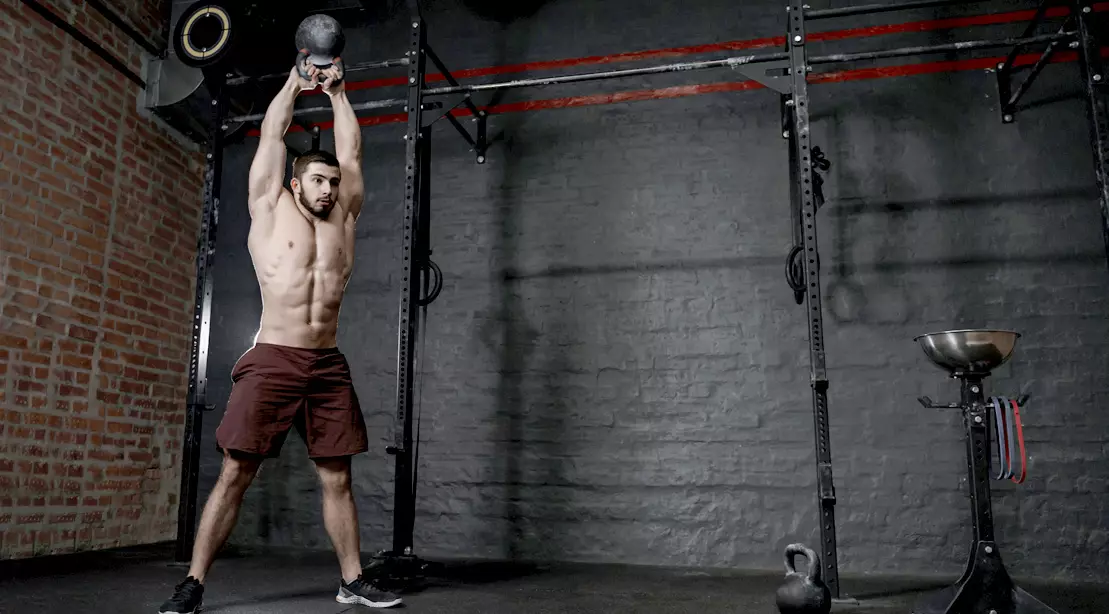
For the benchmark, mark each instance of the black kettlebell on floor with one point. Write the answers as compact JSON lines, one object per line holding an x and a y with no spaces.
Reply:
{"x":803,"y":592}
{"x":319,"y":39}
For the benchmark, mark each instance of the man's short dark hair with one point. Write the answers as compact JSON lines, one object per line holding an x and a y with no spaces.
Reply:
{"x":302,"y":162}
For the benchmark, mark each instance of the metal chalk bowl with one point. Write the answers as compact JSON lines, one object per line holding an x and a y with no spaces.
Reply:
{"x":969,"y":351}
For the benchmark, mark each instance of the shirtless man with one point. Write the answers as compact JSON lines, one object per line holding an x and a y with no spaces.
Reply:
{"x":302,"y":244}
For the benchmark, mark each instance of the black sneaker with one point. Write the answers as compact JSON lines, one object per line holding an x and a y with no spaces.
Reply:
{"x":186,"y":598}
{"x":363,"y":592}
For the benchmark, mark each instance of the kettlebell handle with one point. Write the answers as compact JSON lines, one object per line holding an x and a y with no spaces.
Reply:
{"x":302,"y":61}
{"x":812,"y":569}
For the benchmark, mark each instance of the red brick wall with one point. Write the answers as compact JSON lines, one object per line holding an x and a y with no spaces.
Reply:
{"x":100,"y":212}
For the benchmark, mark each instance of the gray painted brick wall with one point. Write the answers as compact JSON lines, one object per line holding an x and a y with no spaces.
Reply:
{"x":616,"y":371}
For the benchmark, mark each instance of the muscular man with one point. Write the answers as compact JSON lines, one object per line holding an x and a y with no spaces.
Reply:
{"x":302,"y":244}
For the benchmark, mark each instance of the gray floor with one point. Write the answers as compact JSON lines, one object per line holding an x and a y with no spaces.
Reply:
{"x":136,"y":581}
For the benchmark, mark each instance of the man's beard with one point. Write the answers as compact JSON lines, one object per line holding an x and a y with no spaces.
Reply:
{"x":324,"y":206}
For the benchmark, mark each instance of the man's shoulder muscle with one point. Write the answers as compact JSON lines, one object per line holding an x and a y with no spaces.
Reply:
{"x":261,"y":204}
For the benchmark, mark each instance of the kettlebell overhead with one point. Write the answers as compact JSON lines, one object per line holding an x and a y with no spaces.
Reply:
{"x":321,"y":38}
{"x":320,"y":43}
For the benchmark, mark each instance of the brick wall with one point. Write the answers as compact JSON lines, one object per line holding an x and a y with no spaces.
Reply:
{"x":100,"y":210}
{"x":637,"y":391}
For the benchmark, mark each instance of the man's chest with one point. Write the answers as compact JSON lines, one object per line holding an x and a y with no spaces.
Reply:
{"x":298,"y":243}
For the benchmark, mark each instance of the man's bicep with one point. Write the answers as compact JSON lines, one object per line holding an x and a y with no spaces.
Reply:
{"x":267,"y":171}
{"x":354,"y":186}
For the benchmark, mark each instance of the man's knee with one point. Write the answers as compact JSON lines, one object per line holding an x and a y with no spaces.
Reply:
{"x":238,"y":471}
{"x":334,"y":474}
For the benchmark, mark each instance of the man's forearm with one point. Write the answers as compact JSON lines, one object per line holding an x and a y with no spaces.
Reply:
{"x":280,"y":112}
{"x":348,"y":134}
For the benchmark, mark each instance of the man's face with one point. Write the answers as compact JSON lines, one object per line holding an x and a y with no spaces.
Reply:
{"x":317,"y":188}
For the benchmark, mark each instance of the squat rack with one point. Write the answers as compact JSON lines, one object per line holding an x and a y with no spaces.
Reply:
{"x":784,"y":72}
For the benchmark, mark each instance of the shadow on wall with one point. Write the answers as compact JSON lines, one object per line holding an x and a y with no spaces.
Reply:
{"x":879,"y":237}
{"x":522,"y":407}
{"x":872,"y":292}
{"x":514,"y":345}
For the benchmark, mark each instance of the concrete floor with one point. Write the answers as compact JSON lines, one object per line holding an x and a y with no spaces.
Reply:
{"x":138,"y":580}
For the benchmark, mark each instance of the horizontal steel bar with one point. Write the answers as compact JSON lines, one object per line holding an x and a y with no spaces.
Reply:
{"x":864,"y":9}
{"x":960,"y":46}
{"x":359,"y":106}
{"x":350,"y":68}
{"x":613,"y":74}
{"x":686,"y":66}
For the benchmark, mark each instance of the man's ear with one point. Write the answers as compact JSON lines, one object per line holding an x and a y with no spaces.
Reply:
{"x":293,"y":184}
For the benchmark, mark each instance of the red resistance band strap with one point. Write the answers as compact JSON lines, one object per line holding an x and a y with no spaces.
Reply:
{"x":1015,"y":420}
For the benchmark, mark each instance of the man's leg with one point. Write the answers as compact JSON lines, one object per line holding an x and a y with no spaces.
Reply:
{"x":334,"y":430}
{"x":221,"y":512}
{"x":340,"y":517}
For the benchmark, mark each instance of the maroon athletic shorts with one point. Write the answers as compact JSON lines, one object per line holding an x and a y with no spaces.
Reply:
{"x":277,"y":387}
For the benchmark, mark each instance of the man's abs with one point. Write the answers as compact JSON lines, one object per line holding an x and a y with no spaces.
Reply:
{"x":302,"y":270}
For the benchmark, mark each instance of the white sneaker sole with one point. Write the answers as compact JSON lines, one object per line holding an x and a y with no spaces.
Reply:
{"x":355,"y":599}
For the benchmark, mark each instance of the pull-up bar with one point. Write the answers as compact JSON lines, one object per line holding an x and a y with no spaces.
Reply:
{"x":865,"y":9}
{"x":960,"y":46}
{"x":732,"y":62}
{"x":352,"y":68}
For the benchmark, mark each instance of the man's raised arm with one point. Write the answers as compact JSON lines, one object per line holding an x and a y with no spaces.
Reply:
{"x":267,"y":171}
{"x":348,"y":146}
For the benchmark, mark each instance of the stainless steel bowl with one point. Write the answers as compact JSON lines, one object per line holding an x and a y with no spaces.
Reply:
{"x":969,"y":351}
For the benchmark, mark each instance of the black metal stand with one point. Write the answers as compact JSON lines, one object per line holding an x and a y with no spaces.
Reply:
{"x":202,"y":324}
{"x":805,"y":203}
{"x":399,"y":568}
{"x":985,"y":586}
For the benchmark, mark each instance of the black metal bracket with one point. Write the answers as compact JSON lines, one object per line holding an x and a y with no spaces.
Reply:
{"x":315,"y":138}
{"x":201,"y":330}
{"x":1007,"y":97}
{"x":927,"y":403}
{"x":762,"y":73}
{"x":478,"y":142}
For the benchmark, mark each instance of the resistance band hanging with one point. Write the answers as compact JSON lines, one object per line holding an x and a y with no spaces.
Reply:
{"x":1010,"y":439}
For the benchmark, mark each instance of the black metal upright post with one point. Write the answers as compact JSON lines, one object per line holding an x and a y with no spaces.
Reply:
{"x":197,"y":402}
{"x":985,"y":586}
{"x":1094,"y":82}
{"x":411,"y":257}
{"x":802,"y":175}
{"x":416,"y":276}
